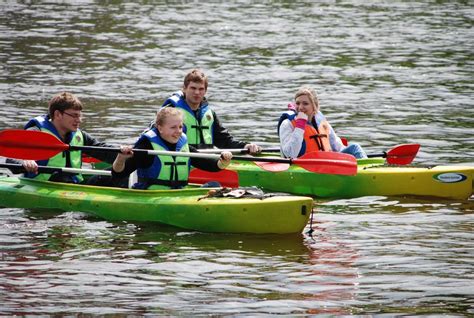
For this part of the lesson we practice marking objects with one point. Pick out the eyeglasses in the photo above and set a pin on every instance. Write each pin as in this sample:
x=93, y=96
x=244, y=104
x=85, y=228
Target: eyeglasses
x=75, y=116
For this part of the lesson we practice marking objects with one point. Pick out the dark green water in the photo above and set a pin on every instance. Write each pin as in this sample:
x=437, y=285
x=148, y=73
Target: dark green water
x=386, y=72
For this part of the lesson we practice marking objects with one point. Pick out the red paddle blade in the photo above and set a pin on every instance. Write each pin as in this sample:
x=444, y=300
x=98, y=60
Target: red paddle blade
x=226, y=178
x=88, y=159
x=273, y=166
x=402, y=154
x=29, y=144
x=328, y=162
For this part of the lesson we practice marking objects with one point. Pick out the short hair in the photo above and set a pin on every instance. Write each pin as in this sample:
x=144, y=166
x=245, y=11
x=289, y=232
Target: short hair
x=312, y=95
x=166, y=112
x=195, y=75
x=63, y=101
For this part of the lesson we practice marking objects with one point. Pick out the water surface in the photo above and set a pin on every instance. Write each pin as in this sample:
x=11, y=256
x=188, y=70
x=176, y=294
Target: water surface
x=386, y=73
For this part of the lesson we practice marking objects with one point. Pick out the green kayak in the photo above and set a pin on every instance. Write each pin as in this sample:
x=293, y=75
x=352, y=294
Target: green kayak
x=373, y=178
x=193, y=208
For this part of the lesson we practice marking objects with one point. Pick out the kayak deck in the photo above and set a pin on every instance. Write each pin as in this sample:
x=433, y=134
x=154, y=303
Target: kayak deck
x=186, y=208
x=449, y=182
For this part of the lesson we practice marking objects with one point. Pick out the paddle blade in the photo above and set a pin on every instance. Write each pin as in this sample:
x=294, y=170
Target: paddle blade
x=402, y=154
x=272, y=166
x=29, y=144
x=328, y=162
x=88, y=159
x=226, y=178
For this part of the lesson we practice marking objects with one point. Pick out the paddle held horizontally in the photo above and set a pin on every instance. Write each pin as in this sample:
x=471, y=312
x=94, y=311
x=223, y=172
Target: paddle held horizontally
x=37, y=145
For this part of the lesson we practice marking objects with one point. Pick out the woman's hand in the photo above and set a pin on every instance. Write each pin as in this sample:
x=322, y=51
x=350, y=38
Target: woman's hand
x=302, y=115
x=125, y=153
x=301, y=120
x=224, y=160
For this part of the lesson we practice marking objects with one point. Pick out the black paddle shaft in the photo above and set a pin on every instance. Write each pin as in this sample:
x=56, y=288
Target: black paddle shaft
x=42, y=169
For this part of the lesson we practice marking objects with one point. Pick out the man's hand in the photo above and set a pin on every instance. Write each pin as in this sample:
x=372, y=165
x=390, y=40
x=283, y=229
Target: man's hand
x=253, y=148
x=30, y=166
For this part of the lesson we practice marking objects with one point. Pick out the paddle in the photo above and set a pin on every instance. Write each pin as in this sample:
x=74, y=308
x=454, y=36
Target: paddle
x=227, y=178
x=44, y=169
x=88, y=159
x=399, y=155
x=241, y=151
x=37, y=145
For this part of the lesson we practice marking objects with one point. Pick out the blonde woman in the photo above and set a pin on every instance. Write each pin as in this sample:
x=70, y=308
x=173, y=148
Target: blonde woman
x=306, y=129
x=164, y=171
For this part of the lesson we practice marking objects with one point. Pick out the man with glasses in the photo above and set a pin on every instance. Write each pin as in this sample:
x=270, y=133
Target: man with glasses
x=62, y=121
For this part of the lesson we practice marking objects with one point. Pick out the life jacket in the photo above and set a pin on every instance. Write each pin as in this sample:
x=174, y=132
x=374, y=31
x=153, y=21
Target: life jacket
x=316, y=132
x=289, y=114
x=72, y=159
x=198, y=126
x=166, y=172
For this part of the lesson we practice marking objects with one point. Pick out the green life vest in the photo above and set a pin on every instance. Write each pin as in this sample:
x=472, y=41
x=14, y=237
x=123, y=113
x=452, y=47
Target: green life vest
x=59, y=160
x=166, y=172
x=199, y=132
x=198, y=126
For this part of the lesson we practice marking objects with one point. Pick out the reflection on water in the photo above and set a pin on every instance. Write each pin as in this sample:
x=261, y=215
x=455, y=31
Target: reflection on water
x=386, y=73
x=412, y=253
x=362, y=252
x=148, y=263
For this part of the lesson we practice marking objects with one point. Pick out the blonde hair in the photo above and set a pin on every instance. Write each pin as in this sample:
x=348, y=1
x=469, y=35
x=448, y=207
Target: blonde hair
x=166, y=112
x=312, y=95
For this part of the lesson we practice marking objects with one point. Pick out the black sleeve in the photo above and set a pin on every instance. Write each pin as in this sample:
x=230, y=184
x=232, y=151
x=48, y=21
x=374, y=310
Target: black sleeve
x=207, y=164
x=17, y=162
x=101, y=155
x=222, y=138
x=139, y=160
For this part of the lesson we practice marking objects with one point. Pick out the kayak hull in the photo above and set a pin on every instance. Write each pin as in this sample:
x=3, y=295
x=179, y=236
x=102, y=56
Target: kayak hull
x=188, y=208
x=372, y=179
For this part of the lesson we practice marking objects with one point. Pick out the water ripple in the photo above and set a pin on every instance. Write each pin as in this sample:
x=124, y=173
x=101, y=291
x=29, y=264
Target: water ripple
x=386, y=73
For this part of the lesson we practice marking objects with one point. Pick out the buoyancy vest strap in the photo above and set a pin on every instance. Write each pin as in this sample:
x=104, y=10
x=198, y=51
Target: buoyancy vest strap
x=67, y=154
x=317, y=141
x=317, y=138
x=200, y=128
x=173, y=181
x=174, y=170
